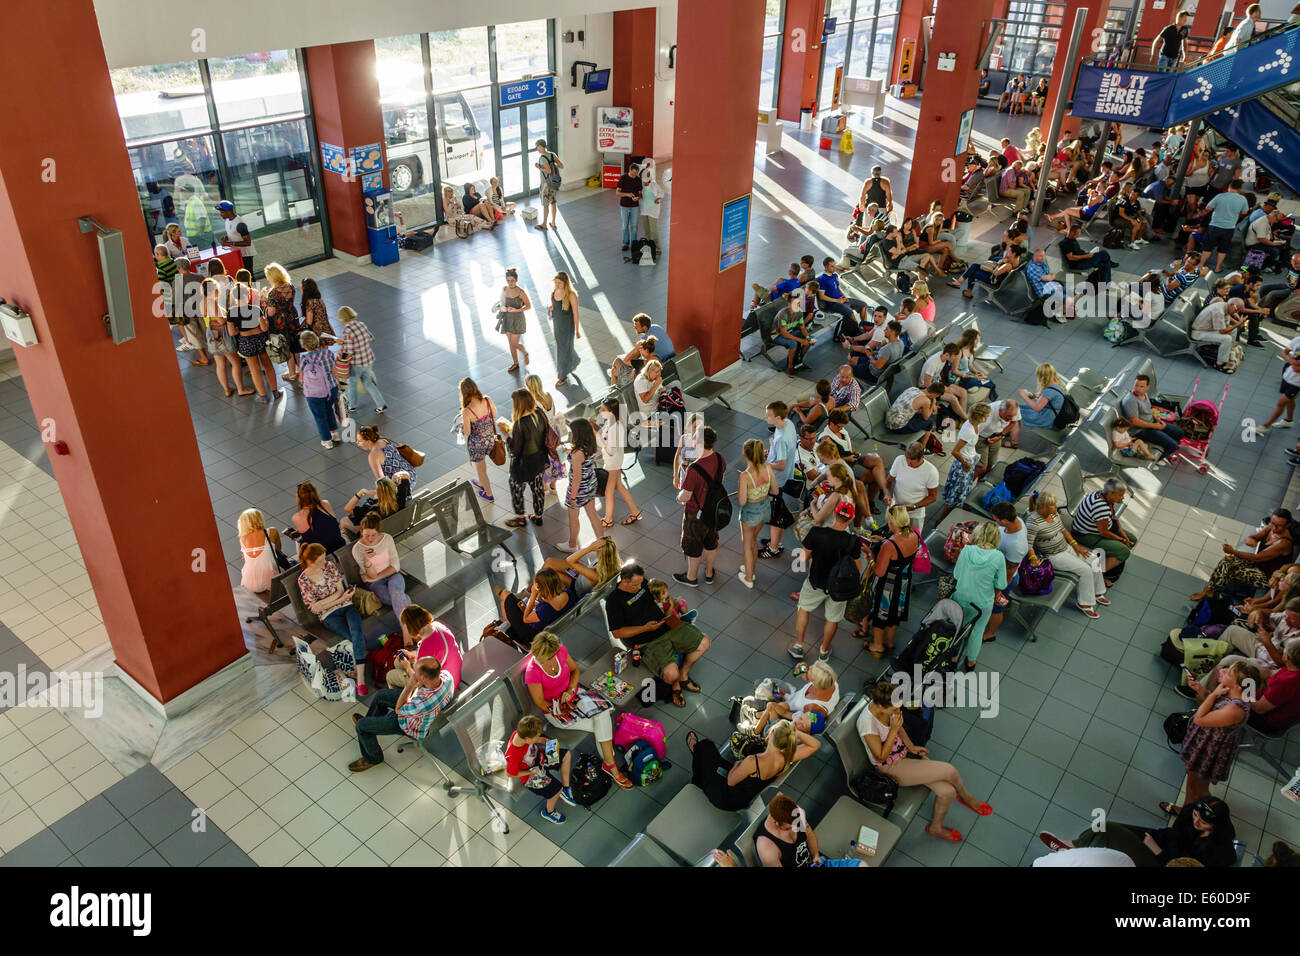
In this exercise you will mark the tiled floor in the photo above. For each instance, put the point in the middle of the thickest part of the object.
(1081, 707)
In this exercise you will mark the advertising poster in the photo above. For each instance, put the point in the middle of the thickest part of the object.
(614, 129)
(963, 132)
(333, 159)
(367, 159)
(735, 233)
(1126, 96)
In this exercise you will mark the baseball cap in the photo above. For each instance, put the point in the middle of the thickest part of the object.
(226, 206)
(845, 509)
(1274, 197)
(817, 722)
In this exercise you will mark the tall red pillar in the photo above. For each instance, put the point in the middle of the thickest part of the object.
(910, 14)
(936, 171)
(720, 47)
(131, 478)
(633, 79)
(801, 57)
(1061, 83)
(1152, 22)
(1205, 21)
(345, 101)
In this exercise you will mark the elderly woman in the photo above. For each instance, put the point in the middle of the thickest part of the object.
(1248, 569)
(880, 725)
(551, 676)
(1039, 409)
(810, 707)
(327, 596)
(981, 572)
(1050, 540)
(745, 779)
(454, 212)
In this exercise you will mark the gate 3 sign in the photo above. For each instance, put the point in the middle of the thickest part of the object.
(1129, 96)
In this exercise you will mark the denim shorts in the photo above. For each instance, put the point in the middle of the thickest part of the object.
(756, 513)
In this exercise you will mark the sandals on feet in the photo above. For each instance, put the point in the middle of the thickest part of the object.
(692, 738)
(691, 685)
(606, 523)
(983, 809)
(953, 836)
(678, 699)
(631, 519)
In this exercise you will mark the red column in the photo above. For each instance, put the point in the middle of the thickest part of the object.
(1153, 21)
(132, 480)
(633, 78)
(936, 172)
(910, 13)
(801, 56)
(1060, 83)
(720, 47)
(345, 99)
(1205, 21)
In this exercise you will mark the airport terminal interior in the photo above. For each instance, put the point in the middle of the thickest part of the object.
(528, 434)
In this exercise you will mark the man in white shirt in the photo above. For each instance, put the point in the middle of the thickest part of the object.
(1259, 237)
(916, 329)
(1246, 28)
(237, 234)
(1000, 429)
(1218, 323)
(913, 483)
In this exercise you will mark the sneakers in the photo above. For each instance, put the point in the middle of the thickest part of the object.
(747, 582)
(1260, 429)
(768, 552)
(1182, 690)
(796, 652)
(1284, 423)
(1053, 842)
(823, 656)
(1257, 343)
(681, 578)
(328, 444)
(567, 796)
(555, 816)
(381, 409)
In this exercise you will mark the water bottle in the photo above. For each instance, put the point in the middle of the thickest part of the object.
(636, 654)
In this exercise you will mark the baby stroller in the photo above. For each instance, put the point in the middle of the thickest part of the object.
(1198, 421)
(939, 644)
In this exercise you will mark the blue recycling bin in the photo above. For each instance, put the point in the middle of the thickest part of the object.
(381, 229)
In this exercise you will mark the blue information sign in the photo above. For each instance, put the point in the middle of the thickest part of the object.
(735, 233)
(527, 91)
(334, 159)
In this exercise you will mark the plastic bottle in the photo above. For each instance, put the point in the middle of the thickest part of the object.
(636, 654)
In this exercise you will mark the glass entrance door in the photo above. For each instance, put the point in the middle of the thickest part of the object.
(521, 127)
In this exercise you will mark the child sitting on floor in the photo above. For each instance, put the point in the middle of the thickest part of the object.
(669, 605)
(1127, 445)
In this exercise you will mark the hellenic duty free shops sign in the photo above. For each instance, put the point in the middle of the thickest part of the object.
(1126, 96)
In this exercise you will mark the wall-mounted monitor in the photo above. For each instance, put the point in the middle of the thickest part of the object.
(596, 81)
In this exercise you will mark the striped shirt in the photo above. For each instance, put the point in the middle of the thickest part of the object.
(1045, 537)
(849, 395)
(1093, 508)
(356, 342)
(166, 270)
(422, 707)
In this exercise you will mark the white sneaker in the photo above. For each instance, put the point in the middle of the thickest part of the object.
(744, 580)
(1284, 423)
(1261, 429)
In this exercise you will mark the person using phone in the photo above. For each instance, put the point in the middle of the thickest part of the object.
(531, 757)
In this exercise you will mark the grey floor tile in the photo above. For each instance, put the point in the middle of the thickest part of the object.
(120, 846)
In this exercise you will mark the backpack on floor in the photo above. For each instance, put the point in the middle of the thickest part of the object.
(1215, 609)
(631, 728)
(1114, 239)
(644, 246)
(1176, 730)
(588, 782)
(903, 283)
(1020, 473)
(644, 766)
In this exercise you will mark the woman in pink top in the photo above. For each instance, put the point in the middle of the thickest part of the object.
(429, 638)
(550, 676)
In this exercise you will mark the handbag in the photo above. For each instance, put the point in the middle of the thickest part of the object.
(366, 602)
(874, 786)
(342, 367)
(602, 480)
(498, 452)
(803, 523)
(781, 516)
(945, 586)
(959, 536)
(1036, 579)
(921, 560)
(412, 456)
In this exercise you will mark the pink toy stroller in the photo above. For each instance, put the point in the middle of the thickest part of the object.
(1198, 422)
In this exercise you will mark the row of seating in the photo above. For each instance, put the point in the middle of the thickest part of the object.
(686, 369)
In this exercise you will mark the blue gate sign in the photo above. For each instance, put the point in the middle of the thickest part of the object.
(527, 91)
(735, 233)
(1126, 96)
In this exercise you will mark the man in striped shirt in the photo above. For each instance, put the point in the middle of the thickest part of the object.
(410, 711)
(1096, 525)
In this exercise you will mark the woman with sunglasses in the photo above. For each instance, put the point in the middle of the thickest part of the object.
(1203, 832)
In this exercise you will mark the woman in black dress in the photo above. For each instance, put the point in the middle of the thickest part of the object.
(893, 587)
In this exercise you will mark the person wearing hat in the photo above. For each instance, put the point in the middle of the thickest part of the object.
(822, 549)
(1259, 235)
(810, 706)
(1275, 293)
(237, 234)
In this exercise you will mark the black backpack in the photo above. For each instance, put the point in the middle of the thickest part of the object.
(1176, 730)
(935, 648)
(1068, 413)
(1020, 473)
(845, 580)
(717, 509)
(589, 782)
(644, 246)
(903, 282)
(1114, 239)
(875, 786)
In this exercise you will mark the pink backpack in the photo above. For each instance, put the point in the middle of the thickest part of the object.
(629, 728)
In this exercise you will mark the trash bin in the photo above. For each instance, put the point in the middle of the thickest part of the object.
(806, 120)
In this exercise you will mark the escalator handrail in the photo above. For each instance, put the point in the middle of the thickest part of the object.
(1270, 34)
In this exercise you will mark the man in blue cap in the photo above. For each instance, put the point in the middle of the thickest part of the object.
(237, 234)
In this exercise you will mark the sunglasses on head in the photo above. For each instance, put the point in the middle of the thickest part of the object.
(1207, 810)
